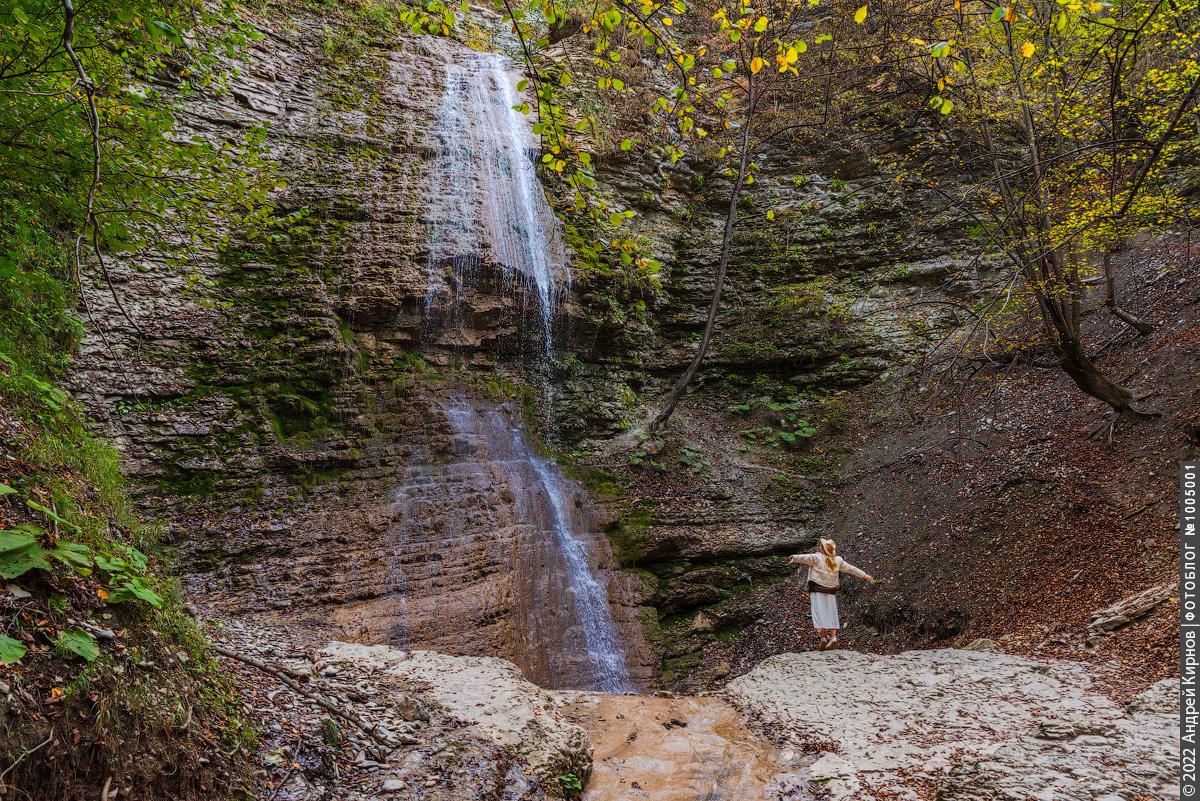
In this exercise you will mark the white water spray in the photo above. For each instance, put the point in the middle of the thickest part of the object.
(487, 203)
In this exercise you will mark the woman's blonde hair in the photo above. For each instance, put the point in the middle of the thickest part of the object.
(829, 548)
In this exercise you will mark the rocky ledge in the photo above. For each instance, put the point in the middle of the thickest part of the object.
(962, 726)
(488, 696)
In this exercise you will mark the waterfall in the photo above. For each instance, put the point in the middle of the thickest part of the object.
(487, 205)
(544, 499)
(492, 233)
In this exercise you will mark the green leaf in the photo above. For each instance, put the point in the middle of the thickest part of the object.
(947, 105)
(5, 489)
(58, 603)
(169, 30)
(74, 555)
(627, 144)
(78, 642)
(135, 588)
(20, 553)
(50, 513)
(11, 650)
(136, 558)
(111, 565)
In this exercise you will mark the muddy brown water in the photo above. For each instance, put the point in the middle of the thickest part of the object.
(672, 749)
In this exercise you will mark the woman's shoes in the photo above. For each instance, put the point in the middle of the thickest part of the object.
(832, 643)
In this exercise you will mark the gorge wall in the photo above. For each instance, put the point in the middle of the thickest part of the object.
(341, 421)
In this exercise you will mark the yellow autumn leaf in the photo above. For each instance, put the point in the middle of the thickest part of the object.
(770, 215)
(667, 21)
(1027, 49)
(756, 65)
(1010, 14)
(102, 594)
(760, 25)
(860, 16)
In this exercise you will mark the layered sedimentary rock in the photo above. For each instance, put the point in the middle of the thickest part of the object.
(314, 463)
(281, 413)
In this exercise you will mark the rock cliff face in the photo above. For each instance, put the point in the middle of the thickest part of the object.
(289, 415)
(322, 453)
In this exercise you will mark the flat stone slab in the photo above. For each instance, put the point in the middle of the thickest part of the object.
(973, 725)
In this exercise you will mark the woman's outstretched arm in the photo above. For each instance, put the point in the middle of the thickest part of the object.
(809, 559)
(854, 571)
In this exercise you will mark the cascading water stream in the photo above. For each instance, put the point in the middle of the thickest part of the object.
(542, 499)
(487, 204)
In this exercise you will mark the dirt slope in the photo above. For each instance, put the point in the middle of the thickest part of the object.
(989, 511)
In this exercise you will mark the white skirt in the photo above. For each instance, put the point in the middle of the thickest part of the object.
(824, 610)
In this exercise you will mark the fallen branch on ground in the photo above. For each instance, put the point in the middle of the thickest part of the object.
(1127, 610)
(295, 763)
(324, 703)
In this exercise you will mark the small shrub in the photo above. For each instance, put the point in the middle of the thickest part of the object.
(571, 786)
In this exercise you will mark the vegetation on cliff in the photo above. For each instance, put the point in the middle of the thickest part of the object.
(1068, 117)
(105, 674)
(106, 680)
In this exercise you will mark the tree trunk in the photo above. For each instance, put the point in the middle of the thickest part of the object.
(1110, 300)
(722, 266)
(1088, 377)
(566, 27)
